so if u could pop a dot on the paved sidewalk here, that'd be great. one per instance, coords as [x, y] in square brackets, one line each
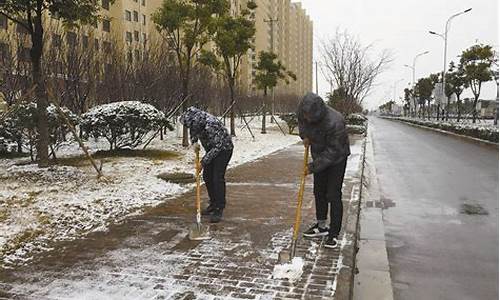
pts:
[150, 257]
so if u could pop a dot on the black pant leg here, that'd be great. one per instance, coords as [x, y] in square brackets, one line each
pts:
[208, 178]
[320, 189]
[219, 180]
[334, 195]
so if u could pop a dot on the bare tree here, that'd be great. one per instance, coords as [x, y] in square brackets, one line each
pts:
[349, 64]
[14, 79]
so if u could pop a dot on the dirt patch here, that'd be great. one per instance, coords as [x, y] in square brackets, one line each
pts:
[105, 156]
[177, 177]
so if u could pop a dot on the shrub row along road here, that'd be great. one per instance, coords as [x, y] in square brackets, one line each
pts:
[440, 199]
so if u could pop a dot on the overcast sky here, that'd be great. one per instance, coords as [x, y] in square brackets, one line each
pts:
[402, 27]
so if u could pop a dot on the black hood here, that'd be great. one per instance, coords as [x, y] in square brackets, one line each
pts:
[314, 106]
[193, 118]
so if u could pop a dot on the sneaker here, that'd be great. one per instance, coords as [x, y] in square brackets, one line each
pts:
[331, 242]
[316, 231]
[207, 211]
[216, 216]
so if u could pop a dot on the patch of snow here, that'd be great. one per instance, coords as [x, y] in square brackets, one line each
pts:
[291, 271]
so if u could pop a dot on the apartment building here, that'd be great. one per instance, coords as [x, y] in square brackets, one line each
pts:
[282, 27]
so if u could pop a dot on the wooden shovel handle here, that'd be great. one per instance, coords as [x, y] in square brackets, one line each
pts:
[300, 197]
[198, 171]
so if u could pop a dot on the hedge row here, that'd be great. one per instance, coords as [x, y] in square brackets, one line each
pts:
[480, 132]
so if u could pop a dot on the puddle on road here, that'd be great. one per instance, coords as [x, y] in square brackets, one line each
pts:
[473, 209]
[384, 203]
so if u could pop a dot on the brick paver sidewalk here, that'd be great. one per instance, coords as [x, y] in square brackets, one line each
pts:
[150, 257]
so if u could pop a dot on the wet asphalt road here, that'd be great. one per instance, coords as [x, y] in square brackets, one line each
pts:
[436, 251]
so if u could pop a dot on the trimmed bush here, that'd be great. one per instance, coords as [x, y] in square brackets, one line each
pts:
[21, 126]
[291, 121]
[124, 124]
[356, 129]
[356, 119]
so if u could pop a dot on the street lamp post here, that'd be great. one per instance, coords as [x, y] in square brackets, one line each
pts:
[413, 76]
[395, 86]
[444, 36]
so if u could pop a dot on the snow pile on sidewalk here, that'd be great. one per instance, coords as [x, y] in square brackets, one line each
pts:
[291, 271]
[483, 131]
[63, 202]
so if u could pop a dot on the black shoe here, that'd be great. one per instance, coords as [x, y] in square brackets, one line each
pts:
[216, 216]
[207, 211]
[316, 231]
[331, 242]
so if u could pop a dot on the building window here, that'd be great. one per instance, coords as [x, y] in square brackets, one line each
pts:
[106, 47]
[21, 29]
[143, 19]
[143, 2]
[144, 38]
[56, 40]
[71, 39]
[136, 36]
[106, 25]
[135, 1]
[105, 4]
[128, 36]
[85, 42]
[24, 54]
[4, 52]
[96, 44]
[129, 57]
[128, 15]
[3, 22]
[136, 16]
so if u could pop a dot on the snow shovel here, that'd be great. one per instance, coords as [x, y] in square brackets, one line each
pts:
[286, 256]
[198, 231]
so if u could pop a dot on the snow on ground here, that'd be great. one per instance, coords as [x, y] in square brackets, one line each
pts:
[38, 206]
[291, 271]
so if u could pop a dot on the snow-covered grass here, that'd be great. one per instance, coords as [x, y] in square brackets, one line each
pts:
[66, 201]
[481, 130]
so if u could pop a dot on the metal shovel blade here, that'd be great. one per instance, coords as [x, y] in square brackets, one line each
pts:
[199, 232]
[284, 257]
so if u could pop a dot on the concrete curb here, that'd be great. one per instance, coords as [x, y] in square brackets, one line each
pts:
[445, 132]
[373, 279]
[345, 278]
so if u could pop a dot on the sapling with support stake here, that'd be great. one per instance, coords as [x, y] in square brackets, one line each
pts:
[76, 136]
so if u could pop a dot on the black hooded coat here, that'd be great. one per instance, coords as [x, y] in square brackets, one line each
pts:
[325, 129]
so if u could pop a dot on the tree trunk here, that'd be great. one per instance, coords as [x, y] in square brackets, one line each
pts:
[19, 143]
[41, 95]
[474, 111]
[458, 109]
[438, 110]
[448, 108]
[264, 110]
[231, 90]
[185, 91]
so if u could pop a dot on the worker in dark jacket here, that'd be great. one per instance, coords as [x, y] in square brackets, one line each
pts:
[219, 149]
[324, 129]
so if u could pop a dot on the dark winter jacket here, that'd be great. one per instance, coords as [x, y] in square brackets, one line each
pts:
[209, 130]
[325, 130]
